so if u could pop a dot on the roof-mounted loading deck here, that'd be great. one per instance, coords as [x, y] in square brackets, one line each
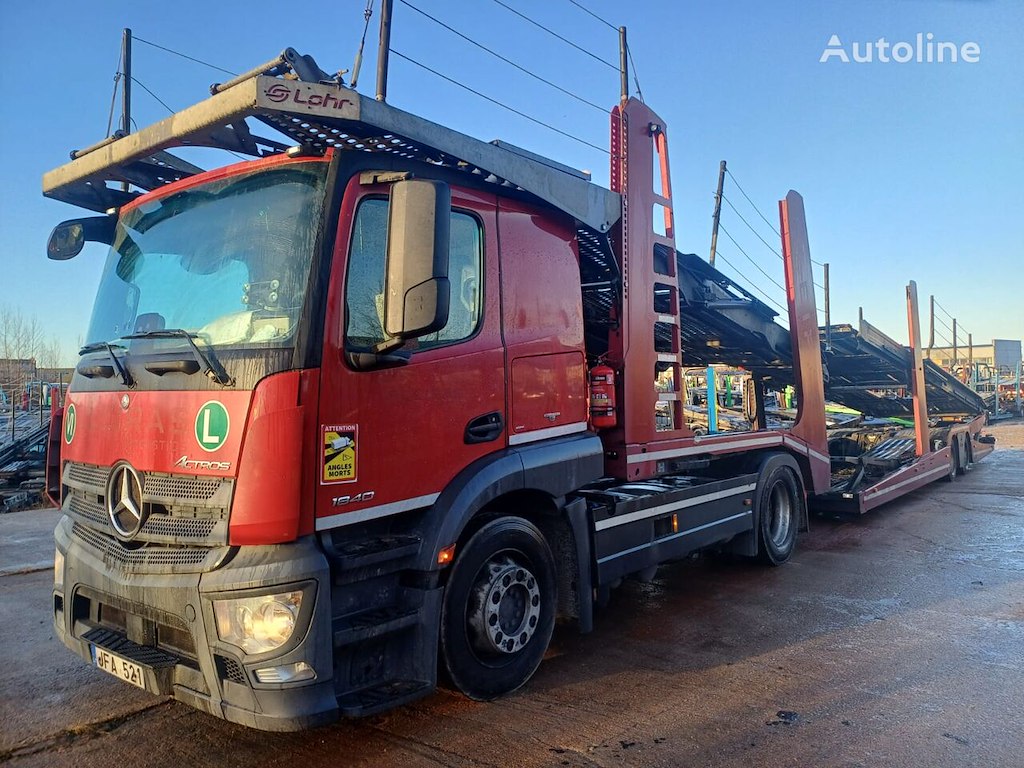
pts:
[315, 116]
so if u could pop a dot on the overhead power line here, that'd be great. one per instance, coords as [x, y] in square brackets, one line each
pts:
[759, 268]
[636, 80]
[752, 205]
[944, 310]
[498, 103]
[537, 24]
[143, 87]
[113, 98]
[185, 56]
[163, 103]
[959, 325]
[758, 210]
[591, 13]
[758, 235]
[511, 63]
[629, 51]
[942, 338]
[751, 228]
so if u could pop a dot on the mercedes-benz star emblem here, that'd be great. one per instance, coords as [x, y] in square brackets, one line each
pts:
[124, 501]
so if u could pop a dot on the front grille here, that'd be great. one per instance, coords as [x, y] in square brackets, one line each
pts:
[81, 506]
[181, 509]
[149, 557]
[86, 474]
[182, 489]
[179, 528]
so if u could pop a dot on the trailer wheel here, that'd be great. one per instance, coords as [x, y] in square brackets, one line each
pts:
[499, 609]
[963, 455]
[779, 506]
[954, 461]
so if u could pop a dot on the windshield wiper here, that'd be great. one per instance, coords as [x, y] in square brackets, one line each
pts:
[213, 371]
[126, 377]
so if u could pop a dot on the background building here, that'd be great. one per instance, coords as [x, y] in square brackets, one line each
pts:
[1002, 354]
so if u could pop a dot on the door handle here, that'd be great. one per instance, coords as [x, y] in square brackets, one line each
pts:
[484, 428]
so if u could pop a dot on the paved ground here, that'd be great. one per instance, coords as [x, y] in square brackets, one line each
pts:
[892, 640]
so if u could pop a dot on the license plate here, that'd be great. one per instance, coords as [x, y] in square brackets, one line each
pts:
[119, 667]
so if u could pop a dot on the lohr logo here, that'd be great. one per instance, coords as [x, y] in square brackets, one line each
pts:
[212, 425]
[280, 93]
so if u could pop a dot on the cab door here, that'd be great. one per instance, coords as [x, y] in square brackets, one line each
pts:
[392, 436]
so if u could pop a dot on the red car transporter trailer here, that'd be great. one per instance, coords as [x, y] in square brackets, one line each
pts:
[942, 445]
[385, 397]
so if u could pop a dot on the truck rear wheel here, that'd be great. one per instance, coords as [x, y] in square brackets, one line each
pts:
[780, 508]
[499, 609]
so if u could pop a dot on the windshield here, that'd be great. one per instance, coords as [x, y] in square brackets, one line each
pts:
[227, 260]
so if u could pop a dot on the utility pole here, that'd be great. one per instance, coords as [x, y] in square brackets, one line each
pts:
[718, 211]
[383, 50]
[970, 354]
[126, 87]
[828, 314]
[956, 359]
[623, 71]
[931, 325]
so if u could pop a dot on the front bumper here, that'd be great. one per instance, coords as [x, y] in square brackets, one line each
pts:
[164, 623]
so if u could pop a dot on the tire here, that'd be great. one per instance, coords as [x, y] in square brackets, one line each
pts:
[964, 455]
[954, 461]
[499, 609]
[779, 506]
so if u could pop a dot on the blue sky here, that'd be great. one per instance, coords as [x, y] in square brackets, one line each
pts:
[909, 171]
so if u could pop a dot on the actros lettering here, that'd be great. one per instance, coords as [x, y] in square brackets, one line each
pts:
[186, 463]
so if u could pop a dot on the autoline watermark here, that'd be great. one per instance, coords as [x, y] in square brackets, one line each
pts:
[925, 49]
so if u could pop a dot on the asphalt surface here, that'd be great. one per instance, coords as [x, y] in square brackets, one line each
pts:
[896, 639]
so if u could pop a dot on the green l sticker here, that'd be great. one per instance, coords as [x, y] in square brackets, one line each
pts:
[212, 425]
[70, 417]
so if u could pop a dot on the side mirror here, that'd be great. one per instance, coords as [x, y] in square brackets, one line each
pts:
[69, 237]
[416, 290]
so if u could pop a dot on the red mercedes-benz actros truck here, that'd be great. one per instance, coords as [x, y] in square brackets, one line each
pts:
[386, 401]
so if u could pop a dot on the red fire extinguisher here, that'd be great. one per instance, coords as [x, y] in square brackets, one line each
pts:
[602, 396]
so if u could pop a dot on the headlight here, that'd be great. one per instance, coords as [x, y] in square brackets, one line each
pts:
[257, 624]
[58, 568]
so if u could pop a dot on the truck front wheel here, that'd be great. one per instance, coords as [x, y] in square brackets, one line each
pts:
[499, 609]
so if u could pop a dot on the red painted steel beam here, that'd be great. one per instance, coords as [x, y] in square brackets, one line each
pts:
[803, 327]
[917, 385]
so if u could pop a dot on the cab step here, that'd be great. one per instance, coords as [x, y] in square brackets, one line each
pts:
[363, 553]
[371, 623]
[383, 696]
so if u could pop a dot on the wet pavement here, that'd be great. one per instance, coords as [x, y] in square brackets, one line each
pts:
[895, 639]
